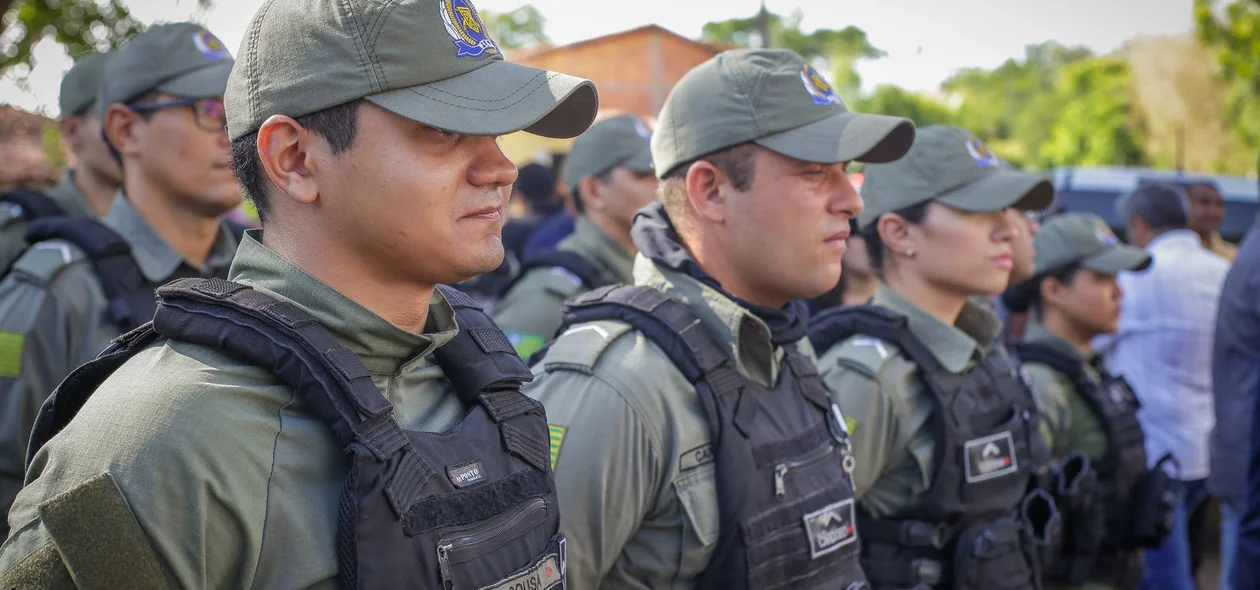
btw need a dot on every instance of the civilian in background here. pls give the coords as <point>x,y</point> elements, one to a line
<point>1207,213</point>
<point>1235,381</point>
<point>1164,350</point>
<point>1013,310</point>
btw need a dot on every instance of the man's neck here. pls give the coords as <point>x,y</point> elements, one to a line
<point>937,302</point>
<point>399,301</point>
<point>1058,324</point>
<point>189,233</point>
<point>97,190</point>
<point>710,258</point>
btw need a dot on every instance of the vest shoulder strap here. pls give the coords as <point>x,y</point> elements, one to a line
<point>585,272</point>
<point>32,204</point>
<point>130,296</point>
<point>837,325</point>
<point>583,345</point>
<point>1043,354</point>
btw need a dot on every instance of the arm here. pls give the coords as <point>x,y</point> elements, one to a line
<point>531,312</point>
<point>872,422</point>
<point>608,469</point>
<point>1050,390</point>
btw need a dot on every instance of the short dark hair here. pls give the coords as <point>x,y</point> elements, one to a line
<point>1065,274</point>
<point>338,125</point>
<point>736,162</point>
<point>875,245</point>
<point>1162,206</point>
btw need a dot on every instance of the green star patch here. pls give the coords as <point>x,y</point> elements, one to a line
<point>556,434</point>
<point>525,344</point>
<point>11,344</point>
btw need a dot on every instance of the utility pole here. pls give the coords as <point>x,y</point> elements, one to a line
<point>763,25</point>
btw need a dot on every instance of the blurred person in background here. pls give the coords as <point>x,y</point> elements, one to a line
<point>534,191</point>
<point>858,282</point>
<point>1207,213</point>
<point>1013,311</point>
<point>1235,385</point>
<point>88,281</point>
<point>1163,348</point>
<point>88,189</point>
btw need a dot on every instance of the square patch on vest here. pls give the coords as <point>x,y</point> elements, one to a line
<point>466,474</point>
<point>990,457</point>
<point>830,528</point>
<point>547,574</point>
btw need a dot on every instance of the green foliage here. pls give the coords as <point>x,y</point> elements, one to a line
<point>1098,123</point>
<point>82,26</point>
<point>839,49</point>
<point>522,27</point>
<point>899,102</point>
<point>1235,37</point>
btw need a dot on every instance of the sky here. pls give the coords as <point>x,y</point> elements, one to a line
<point>926,40</point>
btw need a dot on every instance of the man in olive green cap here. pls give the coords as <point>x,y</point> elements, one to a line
<point>610,174</point>
<point>84,282</point>
<point>1074,298</point>
<point>752,149</point>
<point>365,132</point>
<point>89,187</point>
<point>928,393</point>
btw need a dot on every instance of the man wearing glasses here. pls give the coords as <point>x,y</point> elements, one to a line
<point>87,281</point>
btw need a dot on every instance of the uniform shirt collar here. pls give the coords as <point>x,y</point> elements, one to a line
<point>382,347</point>
<point>157,260</point>
<point>955,347</point>
<point>602,249</point>
<point>755,355</point>
<point>71,200</point>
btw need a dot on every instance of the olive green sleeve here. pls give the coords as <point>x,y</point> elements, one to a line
<point>42,338</point>
<point>873,425</point>
<point>608,470</point>
<point>532,311</point>
<point>1051,392</point>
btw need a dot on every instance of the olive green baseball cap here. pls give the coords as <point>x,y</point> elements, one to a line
<point>774,98</point>
<point>81,84</point>
<point>623,141</point>
<point>431,61</point>
<point>949,165</point>
<point>179,59</point>
<point>1069,238</point>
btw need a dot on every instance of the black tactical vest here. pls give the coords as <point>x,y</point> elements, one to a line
<point>1123,478</point>
<point>977,524</point>
<point>471,508</point>
<point>129,296</point>
<point>575,264</point>
<point>782,456</point>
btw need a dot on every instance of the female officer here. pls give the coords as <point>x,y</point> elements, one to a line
<point>1074,298</point>
<point>939,420</point>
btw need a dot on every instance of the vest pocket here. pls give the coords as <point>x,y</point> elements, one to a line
<point>468,557</point>
<point>697,491</point>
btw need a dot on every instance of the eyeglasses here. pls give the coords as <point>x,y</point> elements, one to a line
<point>208,113</point>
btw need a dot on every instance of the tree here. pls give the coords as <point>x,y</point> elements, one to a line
<point>519,28</point>
<point>1235,37</point>
<point>1099,123</point>
<point>81,26</point>
<point>838,49</point>
<point>893,100</point>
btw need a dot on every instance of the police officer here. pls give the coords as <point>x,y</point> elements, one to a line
<point>610,170</point>
<point>85,191</point>
<point>83,282</point>
<point>280,429</point>
<point>1085,410</point>
<point>940,422</point>
<point>692,439</point>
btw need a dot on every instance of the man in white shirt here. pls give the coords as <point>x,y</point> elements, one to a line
<point>1164,350</point>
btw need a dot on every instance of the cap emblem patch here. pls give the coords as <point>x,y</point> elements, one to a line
<point>1104,234</point>
<point>818,87</point>
<point>466,29</point>
<point>981,154</point>
<point>210,46</point>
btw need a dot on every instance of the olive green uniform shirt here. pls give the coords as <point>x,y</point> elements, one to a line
<point>531,311</point>
<point>53,318</point>
<point>889,407</point>
<point>630,440</point>
<point>13,226</point>
<point>232,478</point>
<point>1068,422</point>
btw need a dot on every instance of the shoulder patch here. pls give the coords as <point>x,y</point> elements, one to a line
<point>561,282</point>
<point>865,354</point>
<point>42,261</point>
<point>555,435</point>
<point>580,346</point>
<point>11,345</point>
